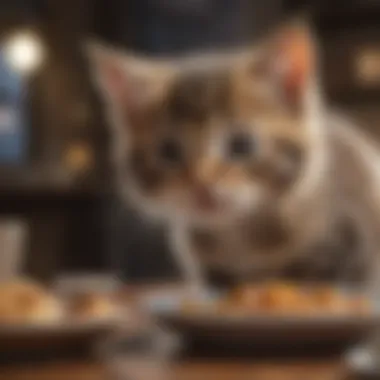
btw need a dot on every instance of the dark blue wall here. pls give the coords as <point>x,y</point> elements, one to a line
<point>173,26</point>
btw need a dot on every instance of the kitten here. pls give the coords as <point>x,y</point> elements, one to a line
<point>256,178</point>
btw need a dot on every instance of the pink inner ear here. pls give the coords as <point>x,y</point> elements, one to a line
<point>294,58</point>
<point>114,78</point>
<point>124,88</point>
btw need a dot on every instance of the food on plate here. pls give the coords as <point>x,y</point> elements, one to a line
<point>91,305</point>
<point>284,298</point>
<point>24,301</point>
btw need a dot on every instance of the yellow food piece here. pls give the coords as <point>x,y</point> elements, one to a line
<point>92,306</point>
<point>285,298</point>
<point>25,301</point>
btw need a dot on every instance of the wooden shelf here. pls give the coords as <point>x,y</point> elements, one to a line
<point>31,181</point>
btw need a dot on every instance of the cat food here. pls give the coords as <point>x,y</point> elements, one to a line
<point>281,298</point>
<point>24,301</point>
<point>92,306</point>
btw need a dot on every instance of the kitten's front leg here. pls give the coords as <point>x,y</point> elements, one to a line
<point>190,266</point>
<point>372,283</point>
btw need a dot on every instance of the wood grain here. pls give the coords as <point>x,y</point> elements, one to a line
<point>190,371</point>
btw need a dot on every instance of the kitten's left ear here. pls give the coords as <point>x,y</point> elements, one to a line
<point>107,68</point>
<point>127,81</point>
<point>290,59</point>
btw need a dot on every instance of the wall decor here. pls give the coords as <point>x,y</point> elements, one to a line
<point>13,118</point>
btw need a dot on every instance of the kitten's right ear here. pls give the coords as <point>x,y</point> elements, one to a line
<point>125,80</point>
<point>289,59</point>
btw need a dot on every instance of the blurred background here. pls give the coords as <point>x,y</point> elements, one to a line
<point>58,205</point>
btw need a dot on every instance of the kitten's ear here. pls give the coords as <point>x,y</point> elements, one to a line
<point>125,80</point>
<point>290,59</point>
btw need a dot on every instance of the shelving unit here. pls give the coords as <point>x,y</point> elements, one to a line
<point>347,33</point>
<point>63,207</point>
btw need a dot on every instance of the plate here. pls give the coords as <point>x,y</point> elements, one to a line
<point>64,326</point>
<point>260,331</point>
<point>62,339</point>
<point>64,333</point>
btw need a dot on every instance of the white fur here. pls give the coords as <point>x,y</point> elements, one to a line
<point>318,155</point>
<point>187,261</point>
<point>368,153</point>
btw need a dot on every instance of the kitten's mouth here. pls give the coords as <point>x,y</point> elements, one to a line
<point>207,205</point>
<point>210,207</point>
<point>205,201</point>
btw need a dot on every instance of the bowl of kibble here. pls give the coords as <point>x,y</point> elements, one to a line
<point>271,313</point>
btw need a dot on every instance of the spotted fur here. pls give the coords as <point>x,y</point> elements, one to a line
<point>298,205</point>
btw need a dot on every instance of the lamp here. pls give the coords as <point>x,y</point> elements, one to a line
<point>24,51</point>
<point>21,45</point>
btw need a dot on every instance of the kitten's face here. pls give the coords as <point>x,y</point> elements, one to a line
<point>212,139</point>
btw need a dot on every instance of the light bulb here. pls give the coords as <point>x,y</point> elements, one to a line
<point>24,52</point>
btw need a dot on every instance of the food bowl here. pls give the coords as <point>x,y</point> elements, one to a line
<point>145,355</point>
<point>289,333</point>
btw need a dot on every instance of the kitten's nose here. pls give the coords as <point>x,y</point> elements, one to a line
<point>205,172</point>
<point>204,196</point>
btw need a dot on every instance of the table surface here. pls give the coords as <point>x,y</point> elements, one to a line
<point>191,369</point>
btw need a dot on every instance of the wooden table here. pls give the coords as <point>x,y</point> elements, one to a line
<point>192,369</point>
<point>189,371</point>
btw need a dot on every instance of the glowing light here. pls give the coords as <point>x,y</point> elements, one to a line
<point>24,52</point>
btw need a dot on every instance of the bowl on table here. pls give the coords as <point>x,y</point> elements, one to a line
<point>273,317</point>
<point>144,355</point>
<point>37,323</point>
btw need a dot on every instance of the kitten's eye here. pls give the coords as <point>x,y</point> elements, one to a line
<point>170,151</point>
<point>241,145</point>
